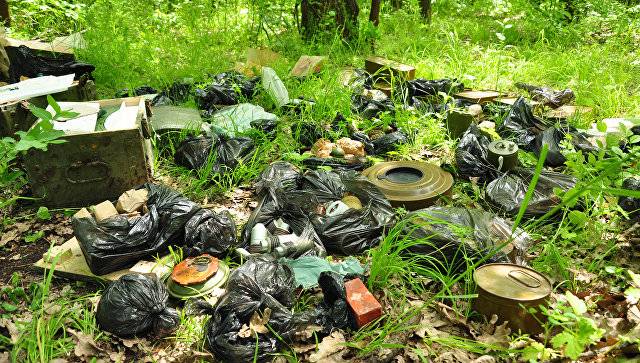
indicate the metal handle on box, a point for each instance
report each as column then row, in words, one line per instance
column 106, row 171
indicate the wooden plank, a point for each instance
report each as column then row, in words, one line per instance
column 40, row 46
column 71, row 264
column 478, row 96
column 385, row 68
column 567, row 111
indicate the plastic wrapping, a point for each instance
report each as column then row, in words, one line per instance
column 336, row 163
column 136, row 304
column 24, row 62
column 383, row 144
column 258, row 284
column 431, row 87
column 471, row 156
column 451, row 235
column 508, row 191
column 369, row 108
column 521, row 126
column 176, row 94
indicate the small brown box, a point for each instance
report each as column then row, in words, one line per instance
column 385, row 69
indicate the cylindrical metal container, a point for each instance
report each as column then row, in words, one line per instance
column 508, row 291
column 503, row 154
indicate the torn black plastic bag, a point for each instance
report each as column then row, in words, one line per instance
column 471, row 156
column 335, row 163
column 508, row 191
column 447, row 236
column 224, row 152
column 120, row 242
column 278, row 177
column 260, row 283
column 420, row 88
column 136, row 304
column 226, row 89
column 24, row 62
column 334, row 312
column 209, row 232
column 354, row 231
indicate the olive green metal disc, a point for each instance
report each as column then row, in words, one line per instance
column 185, row 292
column 410, row 184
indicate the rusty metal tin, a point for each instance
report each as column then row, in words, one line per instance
column 410, row 184
column 195, row 270
column 508, row 291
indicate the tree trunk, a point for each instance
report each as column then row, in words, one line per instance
column 314, row 12
column 4, row 12
column 374, row 15
column 425, row 9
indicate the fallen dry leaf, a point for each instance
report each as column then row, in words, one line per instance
column 8, row 237
column 85, row 345
column 328, row 348
column 484, row 359
column 14, row 334
column 499, row 337
column 256, row 324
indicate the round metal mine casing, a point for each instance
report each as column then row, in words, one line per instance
column 199, row 290
column 194, row 270
column 508, row 291
column 410, row 184
column 503, row 155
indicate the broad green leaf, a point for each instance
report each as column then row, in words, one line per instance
column 9, row 307
column 579, row 307
column 34, row 237
column 53, row 104
column 578, row 218
column 39, row 112
column 602, row 126
column 43, row 213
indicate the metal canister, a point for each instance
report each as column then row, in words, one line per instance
column 508, row 291
column 503, row 154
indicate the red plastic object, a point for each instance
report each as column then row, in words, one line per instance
column 363, row 304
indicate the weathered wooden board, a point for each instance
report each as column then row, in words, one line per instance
column 71, row 264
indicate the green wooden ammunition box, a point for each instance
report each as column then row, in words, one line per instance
column 93, row 167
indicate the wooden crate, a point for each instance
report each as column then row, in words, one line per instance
column 93, row 167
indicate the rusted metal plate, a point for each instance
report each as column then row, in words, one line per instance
column 195, row 270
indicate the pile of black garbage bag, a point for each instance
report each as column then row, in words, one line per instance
column 120, row 242
column 25, row 62
column 226, row 89
column 220, row 151
column 297, row 198
column 507, row 190
column 446, row 238
column 262, row 283
column 531, row 133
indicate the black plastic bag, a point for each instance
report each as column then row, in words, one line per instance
column 548, row 96
column 629, row 204
column 334, row 312
column 431, row 87
column 259, row 284
column 383, row 144
column 24, row 62
column 120, row 242
column 450, row 235
column 175, row 94
column 138, row 91
column 369, row 108
column 471, row 156
column 209, row 232
column 553, row 137
column 335, row 163
column 226, row 89
column 508, row 191
column 351, row 232
column 521, row 126
column 136, row 304
column 307, row 132
column 195, row 152
column 280, row 176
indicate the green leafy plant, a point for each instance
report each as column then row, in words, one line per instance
column 578, row 330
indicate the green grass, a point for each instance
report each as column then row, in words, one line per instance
column 485, row 44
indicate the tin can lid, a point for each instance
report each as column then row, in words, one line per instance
column 511, row 281
column 195, row 270
column 410, row 181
